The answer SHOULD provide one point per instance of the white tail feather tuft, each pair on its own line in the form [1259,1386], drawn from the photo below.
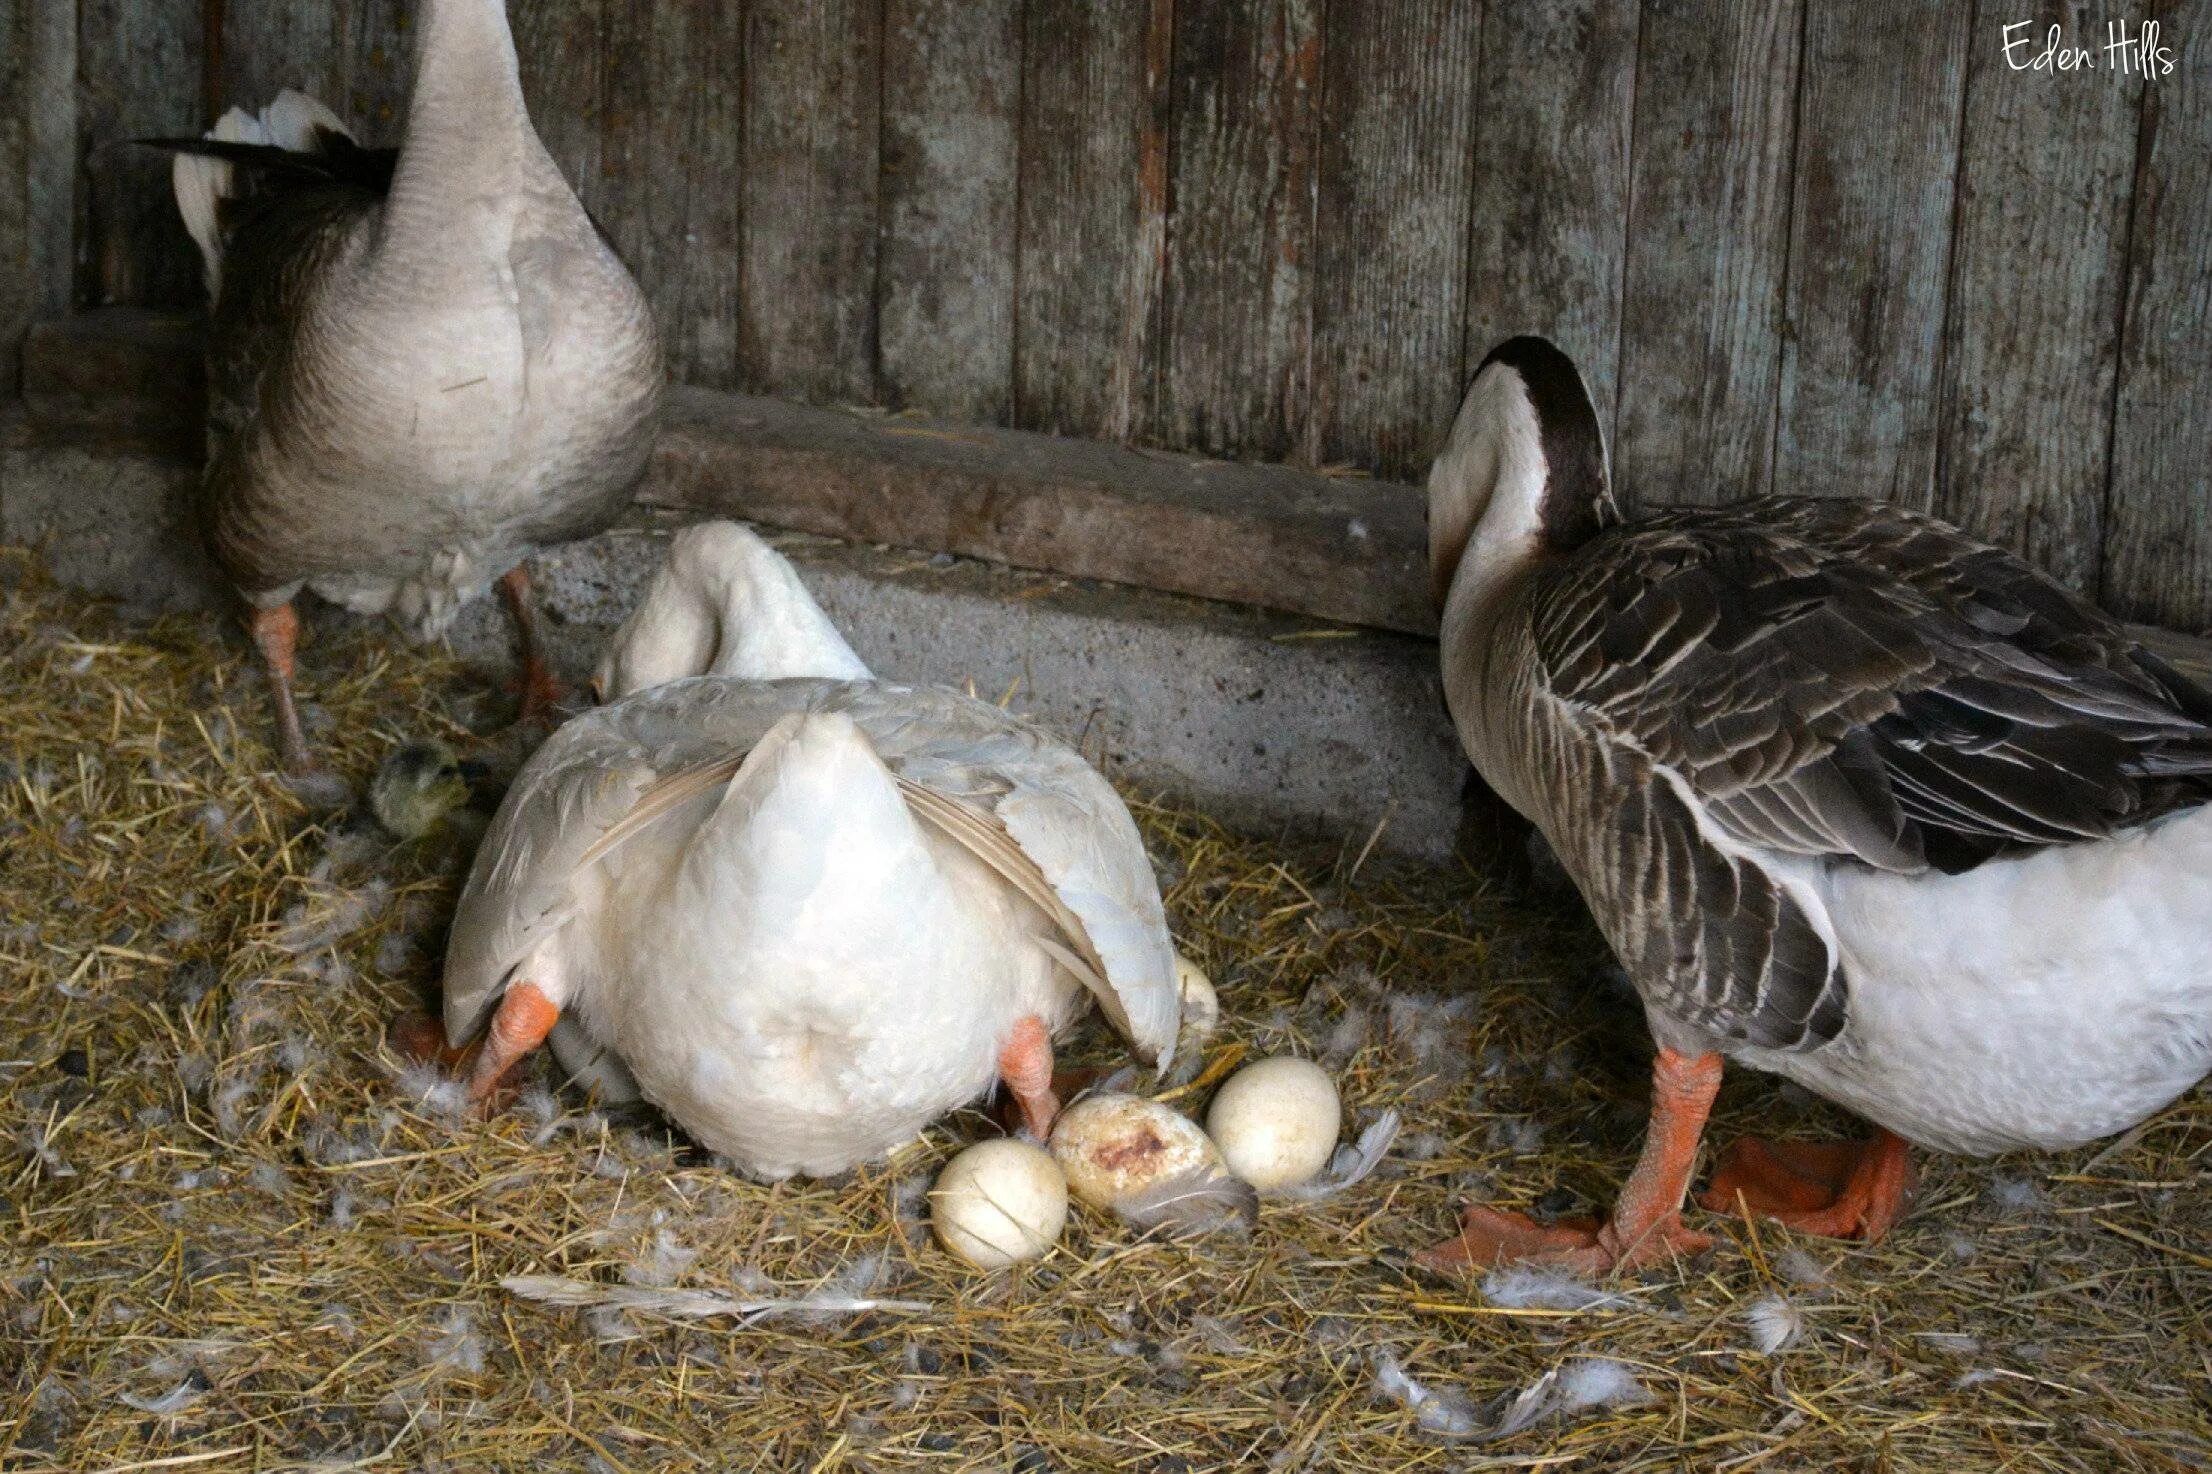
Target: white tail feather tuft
[202,184]
[293,118]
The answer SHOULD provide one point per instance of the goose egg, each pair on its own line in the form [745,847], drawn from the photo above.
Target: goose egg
[1276,1121]
[998,1203]
[1201,1005]
[1115,1147]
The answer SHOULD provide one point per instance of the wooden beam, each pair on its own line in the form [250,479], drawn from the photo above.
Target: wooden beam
[1333,548]
[122,374]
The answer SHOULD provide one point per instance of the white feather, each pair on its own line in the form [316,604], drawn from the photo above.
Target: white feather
[1586,1384]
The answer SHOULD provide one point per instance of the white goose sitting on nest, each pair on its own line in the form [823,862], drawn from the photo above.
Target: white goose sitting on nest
[423,363]
[807,911]
[1856,799]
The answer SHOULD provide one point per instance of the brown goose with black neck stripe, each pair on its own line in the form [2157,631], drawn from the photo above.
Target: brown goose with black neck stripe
[1857,799]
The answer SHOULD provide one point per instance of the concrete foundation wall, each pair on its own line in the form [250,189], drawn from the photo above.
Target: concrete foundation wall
[1266,721]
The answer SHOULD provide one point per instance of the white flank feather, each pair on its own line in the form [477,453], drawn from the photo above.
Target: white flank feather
[194,1387]
[693,1304]
[1526,1287]
[1587,1384]
[292,119]
[1774,1323]
[1201,1200]
[1438,1410]
[1800,1268]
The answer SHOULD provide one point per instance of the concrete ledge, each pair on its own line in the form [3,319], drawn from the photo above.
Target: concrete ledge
[1267,721]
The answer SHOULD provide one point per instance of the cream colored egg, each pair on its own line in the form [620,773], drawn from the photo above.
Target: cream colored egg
[1276,1122]
[1115,1147]
[998,1203]
[1201,1005]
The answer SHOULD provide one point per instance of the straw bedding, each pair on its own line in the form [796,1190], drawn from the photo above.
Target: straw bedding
[239,1235]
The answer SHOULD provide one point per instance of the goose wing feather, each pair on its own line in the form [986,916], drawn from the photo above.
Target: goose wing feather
[1845,679]
[1026,805]
[1833,680]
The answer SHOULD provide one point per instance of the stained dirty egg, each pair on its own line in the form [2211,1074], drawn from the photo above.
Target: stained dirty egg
[1114,1148]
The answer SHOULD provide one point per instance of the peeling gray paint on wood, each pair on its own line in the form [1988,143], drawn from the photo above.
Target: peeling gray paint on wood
[1247,94]
[1390,285]
[945,286]
[1870,244]
[2043,194]
[2158,522]
[1557,86]
[1701,332]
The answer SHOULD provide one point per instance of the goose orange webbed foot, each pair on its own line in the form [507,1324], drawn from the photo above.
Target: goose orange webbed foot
[1647,1219]
[1837,1190]
[417,1036]
[540,690]
[1580,1246]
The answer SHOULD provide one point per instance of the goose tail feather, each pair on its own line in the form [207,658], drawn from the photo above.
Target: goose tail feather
[205,172]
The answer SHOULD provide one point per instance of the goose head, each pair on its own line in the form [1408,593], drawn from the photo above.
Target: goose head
[725,604]
[1524,472]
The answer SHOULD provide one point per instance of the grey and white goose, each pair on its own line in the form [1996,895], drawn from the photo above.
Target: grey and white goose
[1856,799]
[424,363]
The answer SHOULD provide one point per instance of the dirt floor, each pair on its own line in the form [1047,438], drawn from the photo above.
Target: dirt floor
[240,1236]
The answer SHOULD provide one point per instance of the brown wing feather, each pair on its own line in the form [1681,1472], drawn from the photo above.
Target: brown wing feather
[1841,678]
[1829,679]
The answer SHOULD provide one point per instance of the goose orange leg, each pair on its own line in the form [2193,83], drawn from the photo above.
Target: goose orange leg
[1837,1190]
[524,1018]
[1025,1065]
[276,634]
[1647,1217]
[541,691]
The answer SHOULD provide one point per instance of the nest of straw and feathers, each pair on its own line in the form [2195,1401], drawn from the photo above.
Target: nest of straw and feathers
[239,1234]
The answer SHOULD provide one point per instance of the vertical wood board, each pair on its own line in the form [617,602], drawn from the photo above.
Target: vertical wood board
[1246,101]
[139,72]
[1550,206]
[669,165]
[1396,175]
[1093,215]
[563,56]
[1701,328]
[1870,244]
[262,50]
[2032,341]
[807,184]
[2158,518]
[951,119]
[375,65]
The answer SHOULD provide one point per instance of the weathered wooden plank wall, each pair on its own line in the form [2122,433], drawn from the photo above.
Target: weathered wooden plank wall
[1799,245]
